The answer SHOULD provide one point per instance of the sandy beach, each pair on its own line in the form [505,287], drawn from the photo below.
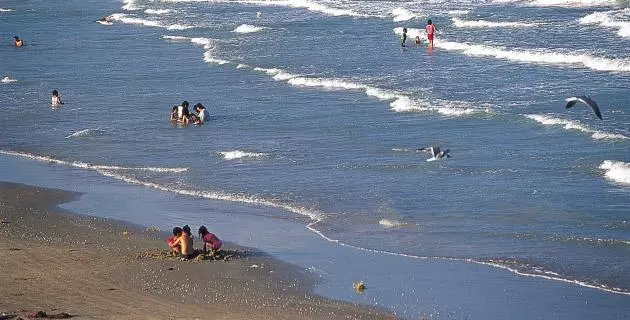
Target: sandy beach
[60,262]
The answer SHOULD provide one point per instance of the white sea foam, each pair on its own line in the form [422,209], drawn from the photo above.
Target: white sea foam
[540,56]
[247,28]
[84,165]
[241,66]
[575,125]
[615,19]
[7,79]
[238,154]
[176,38]
[130,5]
[459,12]
[207,44]
[460,23]
[617,171]
[313,215]
[562,3]
[390,223]
[85,133]
[157,11]
[303,4]
[5,10]
[128,19]
[401,14]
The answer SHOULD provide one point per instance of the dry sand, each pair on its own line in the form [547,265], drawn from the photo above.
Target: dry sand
[55,261]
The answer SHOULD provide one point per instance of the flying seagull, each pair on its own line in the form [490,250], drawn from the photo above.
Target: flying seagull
[587,101]
[435,153]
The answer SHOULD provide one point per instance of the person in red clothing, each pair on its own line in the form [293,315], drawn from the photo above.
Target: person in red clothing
[172,240]
[430,30]
[209,240]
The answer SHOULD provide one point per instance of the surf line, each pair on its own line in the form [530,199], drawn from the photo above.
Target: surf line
[84,165]
[317,217]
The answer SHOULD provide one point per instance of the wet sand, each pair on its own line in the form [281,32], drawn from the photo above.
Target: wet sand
[59,262]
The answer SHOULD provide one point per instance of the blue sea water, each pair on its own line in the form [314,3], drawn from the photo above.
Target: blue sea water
[317,113]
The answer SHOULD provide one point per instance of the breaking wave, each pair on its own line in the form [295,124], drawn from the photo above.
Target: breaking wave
[5,10]
[7,79]
[562,3]
[388,223]
[401,14]
[127,19]
[85,133]
[129,5]
[206,43]
[300,4]
[575,125]
[238,154]
[247,28]
[84,165]
[617,171]
[157,11]
[460,23]
[610,19]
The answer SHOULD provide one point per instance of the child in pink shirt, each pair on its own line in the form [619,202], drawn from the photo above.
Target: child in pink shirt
[209,240]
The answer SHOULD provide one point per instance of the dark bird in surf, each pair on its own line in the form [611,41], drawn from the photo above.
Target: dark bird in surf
[587,101]
[435,152]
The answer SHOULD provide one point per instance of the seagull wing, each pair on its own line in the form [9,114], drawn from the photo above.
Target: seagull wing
[572,101]
[589,102]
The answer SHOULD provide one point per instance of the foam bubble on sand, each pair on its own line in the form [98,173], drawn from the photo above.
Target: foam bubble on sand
[247,28]
[460,23]
[7,79]
[84,165]
[537,56]
[238,154]
[130,5]
[127,19]
[390,223]
[617,171]
[401,14]
[157,11]
[614,19]
[575,125]
[85,133]
[5,10]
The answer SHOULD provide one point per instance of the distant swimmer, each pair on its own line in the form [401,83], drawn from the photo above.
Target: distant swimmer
[17,42]
[55,100]
[403,38]
[417,40]
[105,21]
[587,101]
[435,153]
[430,30]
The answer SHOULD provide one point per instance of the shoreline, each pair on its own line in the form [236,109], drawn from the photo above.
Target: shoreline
[61,261]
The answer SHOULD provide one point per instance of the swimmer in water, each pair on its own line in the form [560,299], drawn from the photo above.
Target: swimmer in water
[17,42]
[55,100]
[403,38]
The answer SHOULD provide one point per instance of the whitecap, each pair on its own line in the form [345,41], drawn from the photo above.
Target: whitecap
[7,79]
[617,171]
[5,10]
[562,3]
[247,28]
[401,14]
[127,19]
[238,154]
[157,11]
[390,223]
[301,4]
[460,23]
[575,125]
[207,44]
[130,5]
[458,12]
[85,133]
[610,19]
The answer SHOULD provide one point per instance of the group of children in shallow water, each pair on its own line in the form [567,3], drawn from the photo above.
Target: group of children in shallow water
[430,30]
[181,114]
[182,241]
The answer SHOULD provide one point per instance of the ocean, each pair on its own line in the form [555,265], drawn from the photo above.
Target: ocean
[316,117]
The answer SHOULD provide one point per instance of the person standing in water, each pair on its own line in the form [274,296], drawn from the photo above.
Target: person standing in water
[17,42]
[430,30]
[55,100]
[403,38]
